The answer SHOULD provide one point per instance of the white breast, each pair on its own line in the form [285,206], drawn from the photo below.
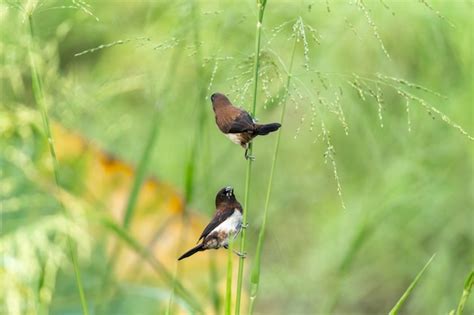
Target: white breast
[234,137]
[231,225]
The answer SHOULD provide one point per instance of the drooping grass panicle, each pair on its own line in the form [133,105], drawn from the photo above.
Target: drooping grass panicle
[361,5]
[328,8]
[433,111]
[300,34]
[276,30]
[340,112]
[362,85]
[165,45]
[410,85]
[430,7]
[407,110]
[379,98]
[85,7]
[351,27]
[330,152]
[386,6]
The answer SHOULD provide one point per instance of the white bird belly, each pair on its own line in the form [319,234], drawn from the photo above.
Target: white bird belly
[234,137]
[230,227]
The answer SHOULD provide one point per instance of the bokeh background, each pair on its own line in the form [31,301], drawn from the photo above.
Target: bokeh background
[369,184]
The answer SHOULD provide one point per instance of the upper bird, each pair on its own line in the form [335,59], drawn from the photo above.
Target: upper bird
[237,124]
[225,224]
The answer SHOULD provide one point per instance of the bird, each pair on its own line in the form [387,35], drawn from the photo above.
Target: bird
[226,224]
[237,124]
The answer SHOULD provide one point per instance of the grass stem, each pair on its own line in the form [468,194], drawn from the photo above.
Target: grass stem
[261,10]
[255,273]
[228,289]
[141,171]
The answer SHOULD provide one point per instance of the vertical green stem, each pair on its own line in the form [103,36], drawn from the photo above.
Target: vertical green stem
[39,98]
[214,279]
[261,10]
[228,289]
[255,274]
[201,77]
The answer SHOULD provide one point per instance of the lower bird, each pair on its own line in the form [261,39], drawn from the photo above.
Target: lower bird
[224,226]
[237,124]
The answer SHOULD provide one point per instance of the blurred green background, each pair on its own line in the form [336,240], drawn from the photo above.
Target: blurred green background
[407,187]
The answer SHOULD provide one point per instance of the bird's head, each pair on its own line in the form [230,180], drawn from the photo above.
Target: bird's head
[219,99]
[226,194]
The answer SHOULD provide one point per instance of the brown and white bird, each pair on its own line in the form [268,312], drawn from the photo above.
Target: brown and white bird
[237,124]
[225,224]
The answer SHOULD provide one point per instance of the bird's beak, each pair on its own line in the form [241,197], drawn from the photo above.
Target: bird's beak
[229,191]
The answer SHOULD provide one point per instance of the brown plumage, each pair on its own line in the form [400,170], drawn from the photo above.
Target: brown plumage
[236,123]
[226,223]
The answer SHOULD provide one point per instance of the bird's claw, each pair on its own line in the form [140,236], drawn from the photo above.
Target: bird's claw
[249,157]
[241,255]
[244,226]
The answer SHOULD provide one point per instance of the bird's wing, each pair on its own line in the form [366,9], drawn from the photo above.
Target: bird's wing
[242,123]
[219,217]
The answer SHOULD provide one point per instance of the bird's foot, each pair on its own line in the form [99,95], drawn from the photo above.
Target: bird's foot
[244,226]
[249,157]
[241,255]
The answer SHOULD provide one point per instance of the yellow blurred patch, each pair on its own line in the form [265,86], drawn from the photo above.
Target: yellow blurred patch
[158,222]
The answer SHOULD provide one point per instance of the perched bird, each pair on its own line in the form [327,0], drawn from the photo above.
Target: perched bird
[237,124]
[225,224]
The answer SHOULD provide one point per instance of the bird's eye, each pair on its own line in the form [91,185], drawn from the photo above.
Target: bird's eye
[213,96]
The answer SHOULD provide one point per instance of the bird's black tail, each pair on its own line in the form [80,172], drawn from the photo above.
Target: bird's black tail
[263,130]
[192,251]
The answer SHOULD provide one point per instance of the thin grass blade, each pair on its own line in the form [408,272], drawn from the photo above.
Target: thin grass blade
[465,293]
[167,276]
[407,293]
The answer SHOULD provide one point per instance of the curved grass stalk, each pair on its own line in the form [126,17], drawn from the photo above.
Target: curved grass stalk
[468,284]
[159,268]
[406,294]
[39,99]
[255,273]
[261,10]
